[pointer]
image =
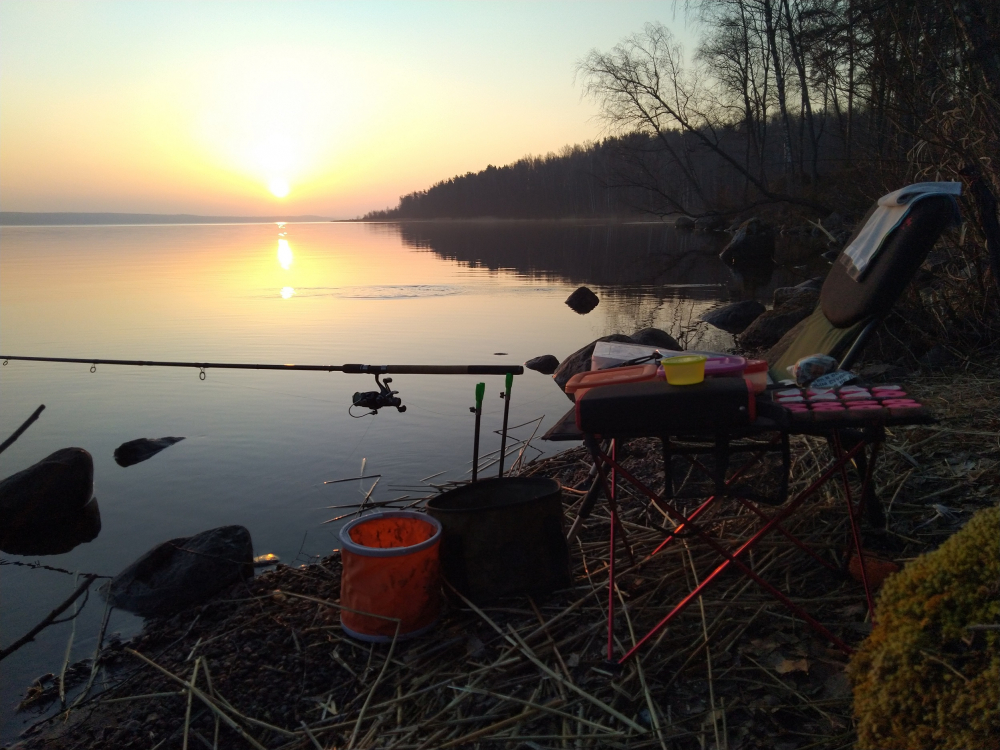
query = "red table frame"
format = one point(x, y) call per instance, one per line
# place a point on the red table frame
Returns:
point(606, 463)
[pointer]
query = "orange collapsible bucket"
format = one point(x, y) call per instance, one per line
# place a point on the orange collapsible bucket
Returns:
point(390, 568)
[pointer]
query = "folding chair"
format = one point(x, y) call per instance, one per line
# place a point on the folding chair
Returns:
point(724, 418)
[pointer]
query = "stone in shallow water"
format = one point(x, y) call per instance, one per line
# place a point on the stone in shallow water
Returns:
point(736, 317)
point(582, 300)
point(137, 451)
point(182, 572)
point(58, 485)
point(545, 364)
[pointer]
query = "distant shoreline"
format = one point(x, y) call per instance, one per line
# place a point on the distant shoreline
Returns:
point(54, 219)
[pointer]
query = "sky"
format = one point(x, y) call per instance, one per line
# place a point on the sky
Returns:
point(258, 108)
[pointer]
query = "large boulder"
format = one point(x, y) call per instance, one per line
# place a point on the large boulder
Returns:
point(57, 486)
point(754, 240)
point(785, 293)
point(54, 535)
point(582, 301)
point(183, 572)
point(136, 451)
point(736, 317)
point(655, 337)
point(545, 364)
point(768, 329)
point(579, 361)
point(683, 222)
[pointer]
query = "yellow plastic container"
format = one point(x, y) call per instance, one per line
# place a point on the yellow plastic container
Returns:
point(686, 370)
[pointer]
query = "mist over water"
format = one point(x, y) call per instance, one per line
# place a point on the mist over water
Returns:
point(260, 444)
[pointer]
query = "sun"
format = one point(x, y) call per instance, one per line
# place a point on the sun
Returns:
point(279, 187)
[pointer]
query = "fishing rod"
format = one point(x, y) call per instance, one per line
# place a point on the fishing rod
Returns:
point(373, 400)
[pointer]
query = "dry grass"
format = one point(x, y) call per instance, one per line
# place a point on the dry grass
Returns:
point(268, 665)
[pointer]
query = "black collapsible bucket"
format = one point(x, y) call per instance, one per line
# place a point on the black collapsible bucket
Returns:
point(503, 536)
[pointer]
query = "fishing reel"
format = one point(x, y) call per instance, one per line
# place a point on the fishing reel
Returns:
point(376, 400)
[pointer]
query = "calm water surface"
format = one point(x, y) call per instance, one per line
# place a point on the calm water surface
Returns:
point(259, 444)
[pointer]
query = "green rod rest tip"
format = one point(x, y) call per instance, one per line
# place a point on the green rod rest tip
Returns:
point(480, 392)
point(510, 381)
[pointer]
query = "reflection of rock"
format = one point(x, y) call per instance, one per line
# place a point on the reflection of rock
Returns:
point(579, 361)
point(582, 300)
point(183, 572)
point(754, 240)
point(58, 485)
point(736, 317)
point(137, 451)
point(751, 274)
point(683, 222)
point(768, 329)
point(545, 364)
point(54, 535)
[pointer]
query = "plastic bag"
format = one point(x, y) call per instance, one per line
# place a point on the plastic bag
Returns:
point(809, 368)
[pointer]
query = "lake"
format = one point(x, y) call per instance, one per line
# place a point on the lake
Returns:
point(259, 445)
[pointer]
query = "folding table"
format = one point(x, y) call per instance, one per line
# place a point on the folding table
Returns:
point(722, 418)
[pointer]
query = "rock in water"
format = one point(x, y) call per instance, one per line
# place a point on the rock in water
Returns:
point(736, 317)
point(55, 535)
point(183, 572)
point(579, 361)
point(683, 222)
point(655, 337)
point(770, 327)
point(546, 364)
point(137, 451)
point(58, 485)
point(582, 300)
point(754, 240)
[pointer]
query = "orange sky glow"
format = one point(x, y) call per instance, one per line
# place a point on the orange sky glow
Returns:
point(251, 108)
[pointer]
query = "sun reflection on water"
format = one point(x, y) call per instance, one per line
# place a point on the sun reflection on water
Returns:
point(287, 292)
point(284, 254)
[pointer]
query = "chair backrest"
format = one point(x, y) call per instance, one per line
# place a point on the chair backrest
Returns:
point(846, 301)
point(846, 306)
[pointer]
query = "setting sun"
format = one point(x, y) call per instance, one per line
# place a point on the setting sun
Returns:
point(279, 188)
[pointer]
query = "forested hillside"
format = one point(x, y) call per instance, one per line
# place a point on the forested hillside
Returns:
point(808, 105)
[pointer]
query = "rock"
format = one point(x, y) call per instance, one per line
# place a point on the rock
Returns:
point(736, 317)
point(579, 361)
point(753, 240)
point(582, 300)
point(785, 293)
point(830, 255)
point(709, 223)
point(56, 487)
point(655, 337)
point(137, 451)
point(546, 364)
point(768, 329)
point(683, 222)
point(53, 535)
point(183, 572)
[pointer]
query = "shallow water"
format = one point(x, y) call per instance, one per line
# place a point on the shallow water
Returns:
point(260, 444)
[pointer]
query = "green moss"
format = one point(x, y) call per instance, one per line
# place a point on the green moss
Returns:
point(922, 679)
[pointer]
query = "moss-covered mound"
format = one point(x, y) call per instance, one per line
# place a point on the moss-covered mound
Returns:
point(923, 679)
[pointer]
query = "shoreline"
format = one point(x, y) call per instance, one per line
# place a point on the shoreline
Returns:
point(276, 659)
